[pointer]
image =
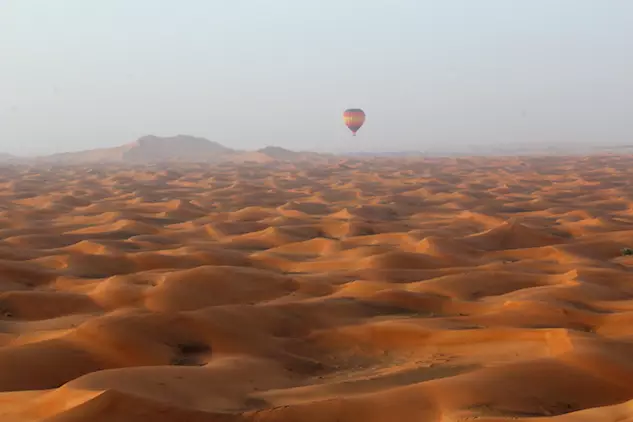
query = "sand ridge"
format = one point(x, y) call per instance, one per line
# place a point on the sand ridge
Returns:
point(454, 289)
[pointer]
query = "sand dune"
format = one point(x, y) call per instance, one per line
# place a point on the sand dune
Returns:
point(456, 289)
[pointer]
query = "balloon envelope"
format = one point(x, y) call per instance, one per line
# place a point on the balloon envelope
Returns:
point(354, 119)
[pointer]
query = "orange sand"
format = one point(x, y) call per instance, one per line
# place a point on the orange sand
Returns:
point(383, 290)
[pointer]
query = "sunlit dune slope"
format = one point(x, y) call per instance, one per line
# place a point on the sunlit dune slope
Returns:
point(378, 290)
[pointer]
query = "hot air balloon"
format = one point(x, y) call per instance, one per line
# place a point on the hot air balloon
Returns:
point(354, 119)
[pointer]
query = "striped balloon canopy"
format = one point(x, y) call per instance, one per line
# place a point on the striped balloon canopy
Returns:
point(354, 119)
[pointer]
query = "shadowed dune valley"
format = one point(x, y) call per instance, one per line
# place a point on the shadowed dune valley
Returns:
point(279, 287)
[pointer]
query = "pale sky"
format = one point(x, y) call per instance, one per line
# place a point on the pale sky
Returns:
point(81, 74)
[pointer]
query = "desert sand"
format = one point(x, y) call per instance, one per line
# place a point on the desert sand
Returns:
point(454, 289)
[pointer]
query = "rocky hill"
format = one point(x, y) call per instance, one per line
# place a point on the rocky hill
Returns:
point(180, 148)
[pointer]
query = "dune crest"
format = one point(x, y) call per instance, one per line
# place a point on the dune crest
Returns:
point(279, 286)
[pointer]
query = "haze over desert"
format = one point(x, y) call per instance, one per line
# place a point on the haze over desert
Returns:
point(381, 289)
point(326, 211)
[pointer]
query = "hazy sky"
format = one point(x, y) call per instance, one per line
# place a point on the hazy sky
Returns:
point(80, 74)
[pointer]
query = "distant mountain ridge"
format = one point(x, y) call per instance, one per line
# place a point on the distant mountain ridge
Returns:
point(153, 149)
point(179, 148)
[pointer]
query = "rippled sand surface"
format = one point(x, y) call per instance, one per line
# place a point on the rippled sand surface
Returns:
point(387, 290)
